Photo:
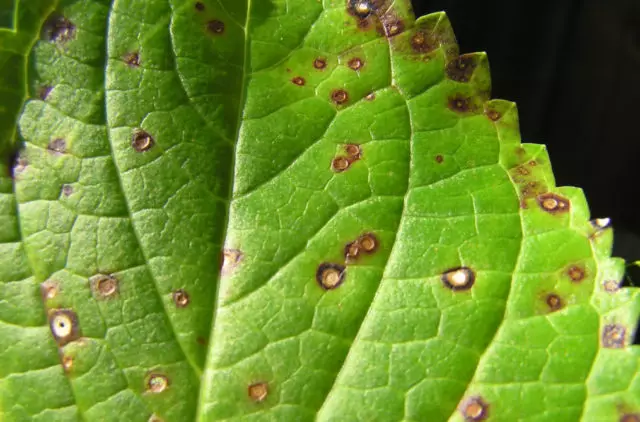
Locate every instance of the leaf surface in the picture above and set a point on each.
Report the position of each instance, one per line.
(289, 210)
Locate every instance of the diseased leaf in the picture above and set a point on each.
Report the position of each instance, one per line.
(289, 210)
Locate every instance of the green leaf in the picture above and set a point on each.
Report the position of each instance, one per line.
(289, 210)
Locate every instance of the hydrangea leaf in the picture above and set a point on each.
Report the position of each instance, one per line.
(289, 210)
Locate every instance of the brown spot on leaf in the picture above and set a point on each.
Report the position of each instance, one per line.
(142, 141)
(67, 363)
(361, 8)
(339, 96)
(460, 104)
(613, 336)
(366, 243)
(201, 341)
(354, 151)
(554, 302)
(66, 190)
(340, 164)
(230, 260)
(474, 409)
(320, 63)
(457, 279)
(155, 418)
(611, 286)
(370, 97)
(156, 383)
(215, 26)
(439, 158)
(43, 92)
(64, 325)
(421, 42)
(494, 115)
(462, 68)
(59, 29)
(576, 273)
(199, 6)
(49, 289)
(298, 80)
(258, 391)
(553, 203)
(356, 63)
(57, 146)
(630, 417)
(132, 59)
(392, 26)
(104, 286)
(330, 275)
(180, 298)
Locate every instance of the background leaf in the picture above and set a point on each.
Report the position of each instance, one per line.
(390, 250)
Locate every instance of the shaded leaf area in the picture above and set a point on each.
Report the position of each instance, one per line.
(390, 250)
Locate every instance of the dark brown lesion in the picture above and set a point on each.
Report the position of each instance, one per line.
(59, 29)
(554, 302)
(142, 141)
(613, 336)
(462, 68)
(365, 244)
(459, 278)
(215, 27)
(552, 203)
(576, 273)
(64, 326)
(132, 59)
(474, 409)
(330, 275)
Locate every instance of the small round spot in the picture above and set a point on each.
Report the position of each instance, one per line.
(554, 302)
(44, 91)
(611, 286)
(142, 141)
(59, 29)
(180, 298)
(67, 363)
(576, 273)
(157, 383)
(352, 251)
(420, 43)
(320, 63)
(601, 223)
(354, 151)
(368, 242)
(361, 8)
(66, 190)
(339, 96)
(370, 97)
(104, 286)
(457, 279)
(494, 115)
(474, 409)
(330, 275)
(613, 336)
(258, 392)
(57, 146)
(199, 6)
(553, 203)
(215, 26)
(298, 80)
(64, 325)
(201, 341)
(49, 289)
(533, 163)
(340, 164)
(630, 417)
(439, 159)
(230, 260)
(393, 28)
(132, 59)
(460, 104)
(461, 69)
(356, 63)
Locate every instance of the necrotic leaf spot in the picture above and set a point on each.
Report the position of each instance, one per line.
(64, 325)
(339, 96)
(141, 141)
(156, 383)
(330, 275)
(104, 286)
(258, 392)
(474, 409)
(215, 26)
(613, 336)
(180, 298)
(456, 279)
